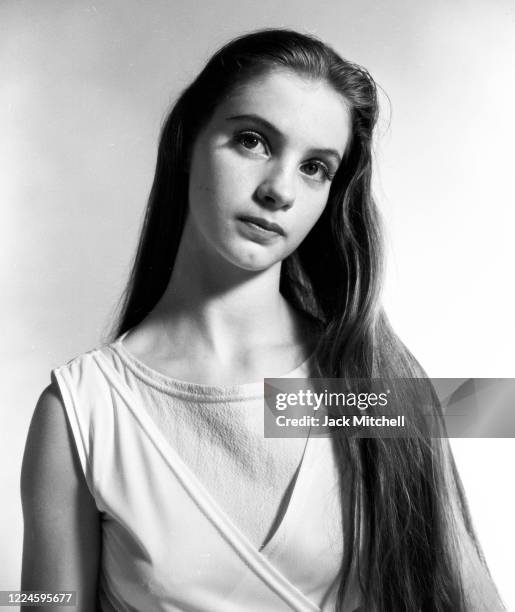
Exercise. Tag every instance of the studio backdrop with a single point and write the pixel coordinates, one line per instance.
(84, 87)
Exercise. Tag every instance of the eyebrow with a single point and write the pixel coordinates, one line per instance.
(272, 128)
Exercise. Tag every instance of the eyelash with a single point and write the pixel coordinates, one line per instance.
(240, 136)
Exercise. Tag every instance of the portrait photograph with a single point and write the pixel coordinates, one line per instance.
(258, 348)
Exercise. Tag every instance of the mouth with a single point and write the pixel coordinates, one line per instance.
(263, 224)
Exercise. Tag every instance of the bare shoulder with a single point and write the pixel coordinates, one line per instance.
(49, 448)
(61, 522)
(51, 477)
(49, 416)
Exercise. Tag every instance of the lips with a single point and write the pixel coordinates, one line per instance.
(264, 224)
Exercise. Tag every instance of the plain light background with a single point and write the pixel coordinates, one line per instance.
(84, 87)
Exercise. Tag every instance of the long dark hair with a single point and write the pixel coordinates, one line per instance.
(403, 528)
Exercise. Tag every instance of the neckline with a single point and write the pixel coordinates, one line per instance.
(192, 389)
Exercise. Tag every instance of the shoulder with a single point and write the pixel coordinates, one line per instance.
(61, 520)
(75, 363)
(48, 427)
(50, 463)
(76, 384)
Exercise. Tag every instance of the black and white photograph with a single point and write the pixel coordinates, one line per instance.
(257, 306)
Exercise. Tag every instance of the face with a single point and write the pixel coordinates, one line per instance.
(261, 169)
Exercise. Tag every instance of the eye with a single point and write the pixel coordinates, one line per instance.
(252, 141)
(317, 170)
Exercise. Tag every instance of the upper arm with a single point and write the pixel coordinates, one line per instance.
(61, 544)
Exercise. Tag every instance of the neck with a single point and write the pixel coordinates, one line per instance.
(211, 303)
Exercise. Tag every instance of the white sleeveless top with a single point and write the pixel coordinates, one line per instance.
(168, 542)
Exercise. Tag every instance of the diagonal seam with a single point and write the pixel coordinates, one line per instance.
(254, 558)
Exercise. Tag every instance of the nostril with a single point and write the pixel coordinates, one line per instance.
(275, 194)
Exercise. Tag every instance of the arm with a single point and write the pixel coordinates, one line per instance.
(61, 544)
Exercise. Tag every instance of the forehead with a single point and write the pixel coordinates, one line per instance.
(307, 111)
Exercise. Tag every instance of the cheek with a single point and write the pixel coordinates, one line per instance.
(216, 184)
(203, 196)
(232, 179)
(308, 216)
(199, 198)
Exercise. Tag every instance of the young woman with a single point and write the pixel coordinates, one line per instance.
(147, 483)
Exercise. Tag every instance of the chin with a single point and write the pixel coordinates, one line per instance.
(255, 265)
(252, 261)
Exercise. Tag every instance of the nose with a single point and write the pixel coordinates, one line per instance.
(277, 189)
